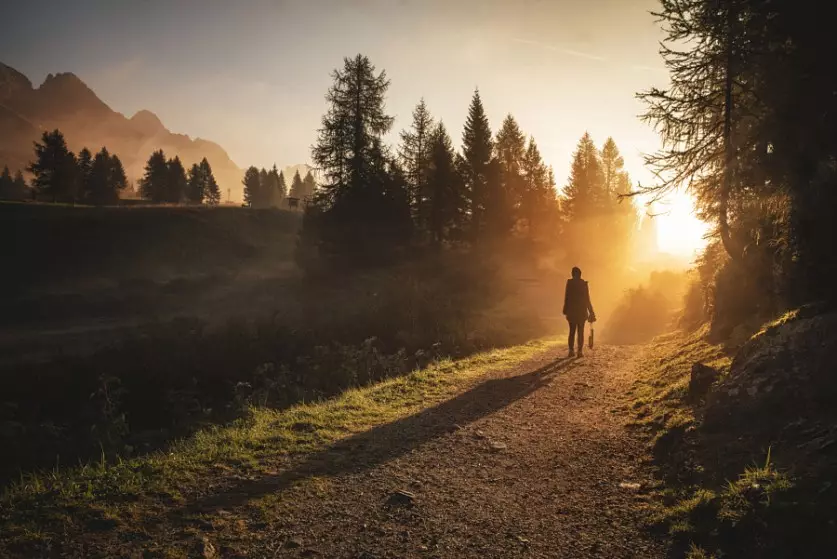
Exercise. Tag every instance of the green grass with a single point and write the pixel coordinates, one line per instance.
(53, 506)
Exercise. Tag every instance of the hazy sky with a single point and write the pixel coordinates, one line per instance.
(252, 74)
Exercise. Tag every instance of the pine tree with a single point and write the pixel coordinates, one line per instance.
(282, 189)
(104, 186)
(118, 178)
(414, 155)
(346, 150)
(6, 184)
(477, 147)
(538, 201)
(85, 164)
(212, 194)
(55, 169)
(510, 150)
(275, 181)
(19, 187)
(309, 186)
(297, 187)
(584, 193)
(363, 211)
(443, 200)
(613, 166)
(154, 183)
(252, 187)
(194, 185)
(177, 182)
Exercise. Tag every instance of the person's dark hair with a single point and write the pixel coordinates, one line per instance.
(576, 272)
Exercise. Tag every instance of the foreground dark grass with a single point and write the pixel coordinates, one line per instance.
(51, 511)
(724, 490)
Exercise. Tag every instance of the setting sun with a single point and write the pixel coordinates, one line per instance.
(679, 231)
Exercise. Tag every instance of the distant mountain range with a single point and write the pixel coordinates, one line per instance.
(65, 102)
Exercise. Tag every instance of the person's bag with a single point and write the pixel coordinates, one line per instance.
(590, 340)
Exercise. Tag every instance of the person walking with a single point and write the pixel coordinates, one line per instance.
(578, 309)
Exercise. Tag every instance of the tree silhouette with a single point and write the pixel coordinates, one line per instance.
(211, 190)
(107, 178)
(282, 189)
(510, 149)
(362, 211)
(85, 165)
(154, 183)
(584, 193)
(19, 187)
(195, 185)
(309, 186)
(252, 187)
(177, 182)
(414, 154)
(54, 169)
(443, 200)
(477, 147)
(538, 205)
(297, 188)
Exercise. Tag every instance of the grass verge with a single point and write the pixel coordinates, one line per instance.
(48, 511)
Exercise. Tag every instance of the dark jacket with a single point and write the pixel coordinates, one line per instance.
(577, 305)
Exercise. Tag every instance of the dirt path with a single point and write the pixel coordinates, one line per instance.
(527, 463)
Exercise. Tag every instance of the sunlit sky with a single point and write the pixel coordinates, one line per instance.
(251, 75)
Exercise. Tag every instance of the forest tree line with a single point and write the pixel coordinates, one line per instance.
(372, 201)
(268, 189)
(59, 175)
(750, 129)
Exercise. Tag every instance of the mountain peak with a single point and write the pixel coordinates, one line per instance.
(147, 122)
(63, 91)
(12, 82)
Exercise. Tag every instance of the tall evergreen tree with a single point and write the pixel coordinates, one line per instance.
(414, 154)
(195, 185)
(177, 182)
(19, 187)
(282, 192)
(55, 169)
(154, 183)
(538, 201)
(309, 186)
(584, 193)
(510, 149)
(274, 180)
(103, 187)
(252, 187)
(443, 200)
(297, 187)
(477, 147)
(362, 206)
(118, 178)
(85, 165)
(211, 190)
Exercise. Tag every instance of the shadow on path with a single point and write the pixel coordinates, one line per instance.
(385, 442)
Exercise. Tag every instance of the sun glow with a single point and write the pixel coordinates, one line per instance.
(679, 231)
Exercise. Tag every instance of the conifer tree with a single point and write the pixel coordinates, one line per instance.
(104, 181)
(510, 150)
(414, 154)
(276, 197)
(361, 203)
(177, 182)
(252, 187)
(85, 164)
(19, 187)
(297, 187)
(282, 192)
(584, 193)
(196, 185)
(477, 147)
(309, 186)
(154, 183)
(118, 178)
(211, 190)
(55, 168)
(443, 199)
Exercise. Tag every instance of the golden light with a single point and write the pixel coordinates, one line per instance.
(679, 231)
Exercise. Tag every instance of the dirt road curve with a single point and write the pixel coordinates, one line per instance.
(534, 462)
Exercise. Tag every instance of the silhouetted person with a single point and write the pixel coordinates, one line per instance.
(578, 309)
